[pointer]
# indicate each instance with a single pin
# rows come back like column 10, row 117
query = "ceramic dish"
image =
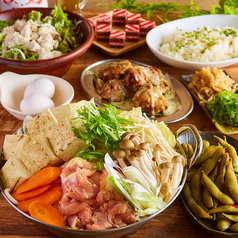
column 12, row 87
column 185, row 79
column 186, row 101
column 104, row 45
column 155, row 36
column 120, row 231
column 207, row 224
column 54, row 66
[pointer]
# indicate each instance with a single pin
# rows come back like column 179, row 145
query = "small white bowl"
column 155, row 36
column 12, row 87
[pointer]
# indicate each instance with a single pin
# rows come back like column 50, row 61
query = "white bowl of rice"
column 196, row 42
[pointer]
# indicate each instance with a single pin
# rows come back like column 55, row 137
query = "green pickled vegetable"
column 224, row 108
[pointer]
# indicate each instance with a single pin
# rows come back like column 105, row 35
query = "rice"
column 205, row 45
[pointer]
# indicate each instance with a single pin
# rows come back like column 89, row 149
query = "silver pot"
column 181, row 135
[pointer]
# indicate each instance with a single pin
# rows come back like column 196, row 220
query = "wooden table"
column 174, row 221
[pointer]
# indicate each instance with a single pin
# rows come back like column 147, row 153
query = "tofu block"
column 64, row 142
column 13, row 144
column 33, row 126
column 14, row 171
column 47, row 122
column 38, row 154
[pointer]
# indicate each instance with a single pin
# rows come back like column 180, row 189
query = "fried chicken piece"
column 137, row 76
column 150, row 99
column 113, row 70
column 114, row 91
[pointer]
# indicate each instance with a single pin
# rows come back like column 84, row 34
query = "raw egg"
column 43, row 86
column 35, row 104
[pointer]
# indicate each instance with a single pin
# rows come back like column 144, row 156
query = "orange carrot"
column 45, row 212
column 39, row 179
column 29, row 194
column 50, row 196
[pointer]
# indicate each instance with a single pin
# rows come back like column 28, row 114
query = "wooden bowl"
column 55, row 66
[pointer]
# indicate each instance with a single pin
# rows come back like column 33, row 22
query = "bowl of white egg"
column 31, row 94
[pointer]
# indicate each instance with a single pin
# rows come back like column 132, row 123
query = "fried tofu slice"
column 14, row 172
column 33, row 126
column 38, row 154
column 41, row 124
column 47, row 122
column 13, row 144
column 64, row 142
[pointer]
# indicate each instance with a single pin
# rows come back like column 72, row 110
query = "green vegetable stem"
column 224, row 108
column 173, row 11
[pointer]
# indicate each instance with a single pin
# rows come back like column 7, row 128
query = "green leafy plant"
column 173, row 11
column 224, row 108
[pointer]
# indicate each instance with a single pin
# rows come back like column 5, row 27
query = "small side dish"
column 31, row 94
column 146, row 87
column 217, row 93
column 210, row 193
column 90, row 75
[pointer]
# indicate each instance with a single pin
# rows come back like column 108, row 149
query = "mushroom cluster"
column 164, row 176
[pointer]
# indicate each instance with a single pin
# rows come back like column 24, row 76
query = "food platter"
column 104, row 45
column 208, row 224
column 185, row 79
column 87, row 84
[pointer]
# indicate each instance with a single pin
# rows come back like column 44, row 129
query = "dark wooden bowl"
column 55, row 66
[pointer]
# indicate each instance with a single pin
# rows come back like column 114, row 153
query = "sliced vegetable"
column 224, row 108
column 29, row 194
column 49, row 196
column 44, row 212
column 39, row 179
column 143, row 200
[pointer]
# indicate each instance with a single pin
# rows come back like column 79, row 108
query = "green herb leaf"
column 224, row 108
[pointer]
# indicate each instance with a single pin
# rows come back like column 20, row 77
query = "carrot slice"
column 30, row 194
column 50, row 196
column 39, row 179
column 45, row 212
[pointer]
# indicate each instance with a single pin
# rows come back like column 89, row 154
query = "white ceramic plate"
column 155, row 36
column 12, row 87
column 186, row 101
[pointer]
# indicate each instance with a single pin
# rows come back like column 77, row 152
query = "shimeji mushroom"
column 177, row 170
column 165, row 192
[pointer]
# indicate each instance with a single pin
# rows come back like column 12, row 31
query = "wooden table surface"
column 174, row 221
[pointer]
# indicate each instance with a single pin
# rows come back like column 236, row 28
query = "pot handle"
column 198, row 141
